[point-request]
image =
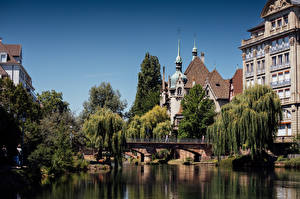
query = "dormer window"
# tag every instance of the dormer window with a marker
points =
(3, 57)
(217, 84)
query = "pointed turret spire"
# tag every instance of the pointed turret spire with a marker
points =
(195, 52)
(178, 59)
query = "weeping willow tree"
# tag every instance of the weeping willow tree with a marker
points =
(250, 120)
(153, 124)
(105, 132)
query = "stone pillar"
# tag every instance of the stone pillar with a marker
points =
(268, 63)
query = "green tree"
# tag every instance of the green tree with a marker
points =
(52, 101)
(154, 124)
(105, 132)
(17, 102)
(103, 96)
(149, 85)
(198, 112)
(250, 120)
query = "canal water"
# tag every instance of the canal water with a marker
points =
(172, 182)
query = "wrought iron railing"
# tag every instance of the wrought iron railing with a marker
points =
(166, 140)
(281, 83)
(280, 66)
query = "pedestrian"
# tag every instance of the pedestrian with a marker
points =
(19, 154)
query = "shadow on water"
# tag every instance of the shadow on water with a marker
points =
(164, 181)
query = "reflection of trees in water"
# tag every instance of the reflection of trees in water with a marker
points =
(175, 182)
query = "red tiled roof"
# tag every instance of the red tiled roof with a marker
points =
(237, 82)
(10, 58)
(197, 72)
(14, 49)
(219, 86)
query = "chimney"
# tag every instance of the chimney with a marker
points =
(163, 82)
(202, 57)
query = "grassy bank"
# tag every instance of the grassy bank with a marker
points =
(293, 163)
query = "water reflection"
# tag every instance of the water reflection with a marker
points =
(172, 182)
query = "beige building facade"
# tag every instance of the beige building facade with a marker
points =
(271, 56)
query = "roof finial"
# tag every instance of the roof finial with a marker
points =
(178, 59)
(194, 52)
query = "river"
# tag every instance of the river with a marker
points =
(172, 182)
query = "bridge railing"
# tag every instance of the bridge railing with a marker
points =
(165, 140)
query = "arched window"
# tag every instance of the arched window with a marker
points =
(179, 91)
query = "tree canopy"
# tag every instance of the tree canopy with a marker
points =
(149, 85)
(198, 112)
(250, 120)
(154, 124)
(103, 96)
(105, 131)
(52, 101)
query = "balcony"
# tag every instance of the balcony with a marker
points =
(249, 57)
(260, 54)
(260, 71)
(249, 74)
(252, 39)
(285, 101)
(283, 83)
(279, 67)
(279, 48)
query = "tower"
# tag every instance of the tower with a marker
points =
(194, 52)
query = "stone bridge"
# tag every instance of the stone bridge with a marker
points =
(180, 149)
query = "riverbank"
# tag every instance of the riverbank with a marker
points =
(290, 163)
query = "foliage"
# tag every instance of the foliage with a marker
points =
(17, 102)
(198, 112)
(149, 85)
(251, 119)
(53, 152)
(103, 96)
(52, 101)
(105, 131)
(292, 163)
(154, 124)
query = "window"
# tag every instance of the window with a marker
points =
(287, 75)
(274, 78)
(279, 23)
(3, 57)
(263, 64)
(280, 77)
(279, 59)
(263, 80)
(251, 68)
(286, 41)
(281, 130)
(252, 82)
(287, 58)
(273, 24)
(287, 93)
(258, 65)
(274, 61)
(289, 128)
(248, 83)
(179, 91)
(274, 43)
(286, 20)
(247, 68)
(280, 94)
(259, 81)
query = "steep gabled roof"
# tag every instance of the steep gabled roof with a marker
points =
(14, 49)
(237, 82)
(10, 58)
(219, 86)
(273, 6)
(197, 72)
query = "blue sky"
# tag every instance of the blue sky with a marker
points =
(70, 46)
